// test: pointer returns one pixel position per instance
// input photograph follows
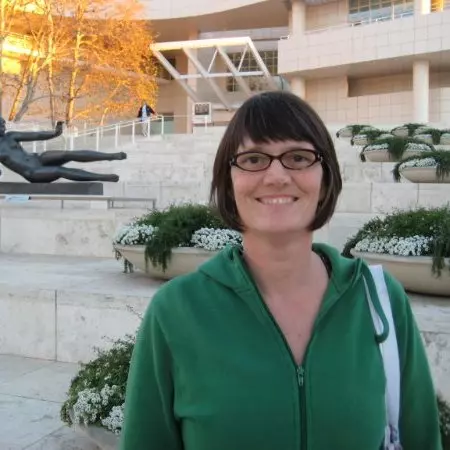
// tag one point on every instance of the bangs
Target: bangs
(265, 118)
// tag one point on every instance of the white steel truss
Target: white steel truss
(220, 47)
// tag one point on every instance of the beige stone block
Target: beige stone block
(433, 195)
(355, 198)
(27, 322)
(387, 197)
(434, 45)
(86, 320)
(420, 47)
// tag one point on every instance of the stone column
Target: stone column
(191, 69)
(297, 18)
(422, 7)
(421, 91)
(298, 86)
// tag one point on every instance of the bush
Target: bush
(444, 422)
(419, 232)
(161, 231)
(97, 393)
(396, 146)
(438, 158)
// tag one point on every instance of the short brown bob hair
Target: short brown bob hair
(274, 116)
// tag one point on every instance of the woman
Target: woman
(271, 346)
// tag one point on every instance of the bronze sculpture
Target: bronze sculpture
(47, 167)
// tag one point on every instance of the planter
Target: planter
(413, 272)
(384, 156)
(184, 260)
(101, 437)
(445, 139)
(423, 175)
(427, 138)
(400, 132)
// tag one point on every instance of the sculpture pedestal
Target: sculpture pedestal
(72, 188)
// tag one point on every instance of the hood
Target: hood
(229, 268)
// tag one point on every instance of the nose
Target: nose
(276, 174)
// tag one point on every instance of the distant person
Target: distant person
(145, 113)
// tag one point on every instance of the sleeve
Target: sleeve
(419, 418)
(149, 422)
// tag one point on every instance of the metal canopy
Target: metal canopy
(220, 47)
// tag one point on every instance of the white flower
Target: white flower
(375, 147)
(215, 239)
(413, 146)
(399, 246)
(114, 420)
(134, 234)
(424, 162)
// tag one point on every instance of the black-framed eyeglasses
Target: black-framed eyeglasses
(297, 159)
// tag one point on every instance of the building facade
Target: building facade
(375, 61)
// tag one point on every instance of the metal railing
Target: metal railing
(371, 20)
(111, 137)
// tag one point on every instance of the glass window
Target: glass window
(361, 11)
(249, 64)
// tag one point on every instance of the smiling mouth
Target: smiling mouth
(277, 200)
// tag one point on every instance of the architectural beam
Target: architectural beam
(198, 65)
(232, 68)
(176, 75)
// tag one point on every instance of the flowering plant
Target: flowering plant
(350, 131)
(396, 147)
(188, 225)
(97, 393)
(420, 232)
(215, 239)
(439, 159)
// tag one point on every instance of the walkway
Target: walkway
(31, 394)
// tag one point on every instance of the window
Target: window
(361, 11)
(249, 64)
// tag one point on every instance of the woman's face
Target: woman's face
(277, 200)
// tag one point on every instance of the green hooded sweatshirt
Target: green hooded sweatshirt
(211, 369)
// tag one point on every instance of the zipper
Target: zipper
(302, 403)
(300, 373)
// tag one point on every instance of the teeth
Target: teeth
(277, 201)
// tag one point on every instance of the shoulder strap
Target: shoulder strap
(390, 356)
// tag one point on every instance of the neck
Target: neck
(280, 265)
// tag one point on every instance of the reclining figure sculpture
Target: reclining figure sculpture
(47, 167)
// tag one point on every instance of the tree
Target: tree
(9, 12)
(109, 68)
(47, 40)
(88, 57)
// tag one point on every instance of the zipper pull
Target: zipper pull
(300, 376)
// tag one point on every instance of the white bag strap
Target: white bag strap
(390, 356)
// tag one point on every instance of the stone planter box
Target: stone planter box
(401, 132)
(428, 139)
(384, 156)
(423, 175)
(184, 260)
(445, 139)
(101, 437)
(414, 272)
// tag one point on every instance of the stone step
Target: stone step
(70, 305)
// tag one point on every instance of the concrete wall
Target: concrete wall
(335, 103)
(417, 36)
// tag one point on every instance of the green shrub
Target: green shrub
(175, 227)
(441, 158)
(432, 224)
(105, 378)
(411, 127)
(395, 146)
(444, 422)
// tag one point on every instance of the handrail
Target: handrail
(371, 20)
